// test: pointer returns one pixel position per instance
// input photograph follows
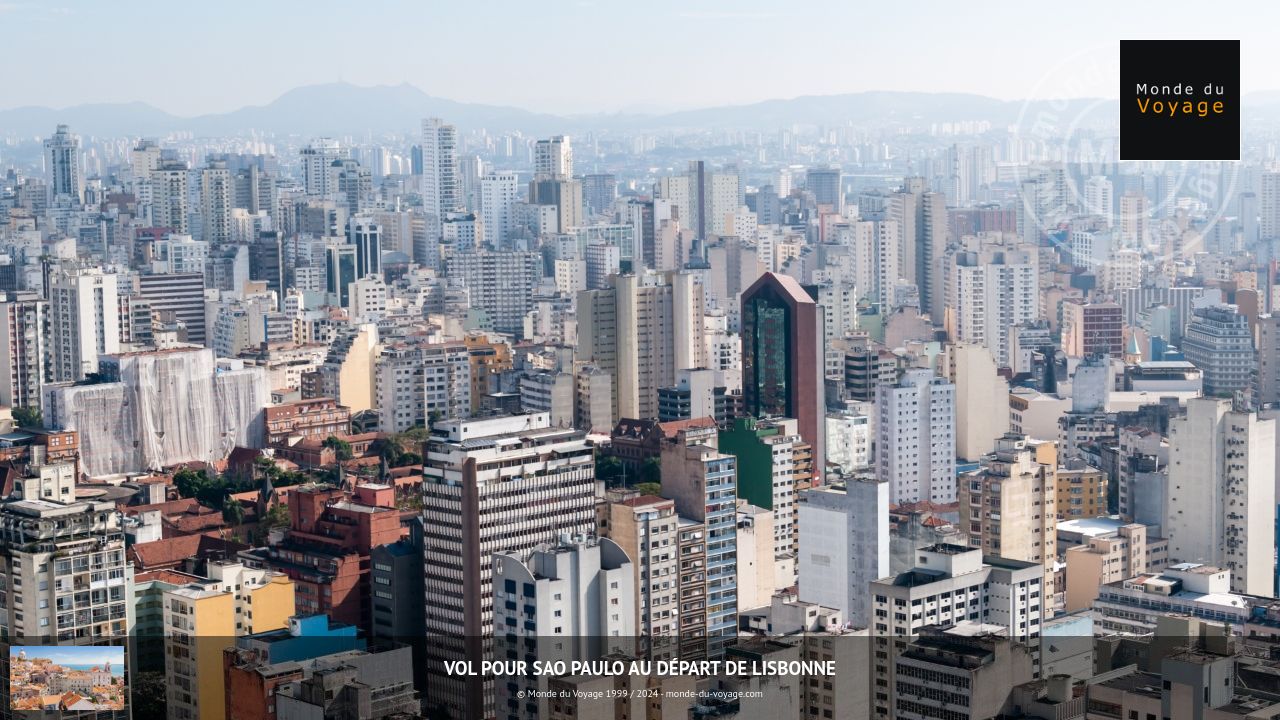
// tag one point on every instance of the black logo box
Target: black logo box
(1187, 68)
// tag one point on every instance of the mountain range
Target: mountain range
(345, 109)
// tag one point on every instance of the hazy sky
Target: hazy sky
(576, 56)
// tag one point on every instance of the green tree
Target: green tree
(147, 694)
(28, 417)
(277, 516)
(609, 469)
(233, 512)
(648, 488)
(341, 448)
(651, 471)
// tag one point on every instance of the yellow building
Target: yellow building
(489, 359)
(1082, 493)
(203, 618)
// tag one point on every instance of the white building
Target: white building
(499, 193)
(992, 288)
(439, 173)
(1221, 504)
(849, 437)
(415, 384)
(916, 451)
(84, 321)
(844, 545)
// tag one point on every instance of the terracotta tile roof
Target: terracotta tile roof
(169, 552)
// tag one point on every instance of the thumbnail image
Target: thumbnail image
(75, 679)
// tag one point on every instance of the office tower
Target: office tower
(993, 287)
(642, 330)
(340, 272)
(170, 205)
(62, 162)
(916, 451)
(921, 219)
(824, 184)
(951, 584)
(439, 174)
(507, 483)
(24, 349)
(844, 545)
(553, 158)
(166, 407)
(602, 261)
(982, 406)
(176, 297)
(582, 589)
(216, 201)
(366, 236)
(500, 284)
(84, 321)
(782, 357)
(202, 616)
(417, 384)
(1266, 388)
(702, 482)
(1092, 328)
(1221, 506)
(1008, 506)
(1218, 340)
(317, 160)
(1130, 550)
(773, 460)
(1099, 198)
(52, 543)
(599, 191)
(499, 193)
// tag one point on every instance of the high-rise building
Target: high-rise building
(844, 544)
(440, 192)
(24, 341)
(177, 298)
(62, 162)
(702, 482)
(772, 463)
(1218, 340)
(916, 449)
(948, 585)
(84, 321)
(1099, 198)
(1092, 328)
(217, 197)
(824, 184)
(921, 219)
(599, 191)
(1221, 506)
(1266, 388)
(642, 330)
(499, 193)
(992, 288)
(51, 544)
(340, 272)
(1111, 557)
(553, 158)
(499, 283)
(1008, 506)
(417, 384)
(500, 484)
(646, 527)
(1269, 207)
(317, 160)
(982, 406)
(782, 357)
(366, 236)
(170, 204)
(582, 589)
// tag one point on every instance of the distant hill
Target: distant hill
(342, 109)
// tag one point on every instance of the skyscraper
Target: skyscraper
(553, 158)
(916, 450)
(169, 202)
(498, 195)
(992, 288)
(62, 160)
(642, 330)
(216, 199)
(84, 321)
(922, 230)
(824, 183)
(1221, 506)
(1219, 342)
(439, 173)
(782, 357)
(24, 318)
(501, 484)
(366, 236)
(317, 166)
